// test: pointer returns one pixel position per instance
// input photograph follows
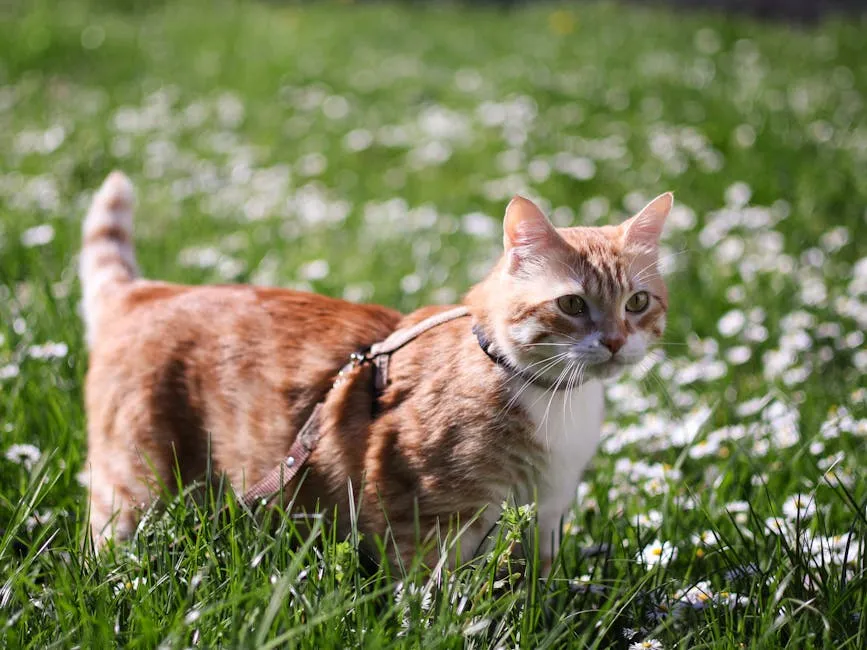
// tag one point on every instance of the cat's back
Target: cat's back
(166, 314)
(235, 344)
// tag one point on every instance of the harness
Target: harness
(379, 354)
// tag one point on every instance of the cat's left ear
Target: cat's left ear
(645, 228)
(528, 236)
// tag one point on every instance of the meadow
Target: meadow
(368, 152)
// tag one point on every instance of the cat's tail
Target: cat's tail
(107, 257)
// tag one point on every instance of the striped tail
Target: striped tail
(107, 257)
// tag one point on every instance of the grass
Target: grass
(368, 152)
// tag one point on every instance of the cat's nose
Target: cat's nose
(614, 343)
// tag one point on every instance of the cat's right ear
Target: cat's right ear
(645, 228)
(527, 233)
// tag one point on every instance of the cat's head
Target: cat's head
(565, 301)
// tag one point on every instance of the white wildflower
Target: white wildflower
(402, 593)
(783, 422)
(129, 585)
(647, 644)
(25, 455)
(854, 339)
(9, 371)
(756, 333)
(685, 502)
(312, 164)
(761, 447)
(835, 239)
(40, 518)
(657, 553)
(753, 406)
(650, 519)
(38, 235)
(49, 350)
(315, 270)
(411, 283)
(477, 626)
(704, 448)
(732, 600)
(843, 549)
(738, 194)
(797, 340)
(778, 526)
(358, 140)
(731, 323)
(799, 506)
(699, 596)
(738, 355)
(685, 432)
(759, 480)
(739, 510)
(202, 257)
(736, 293)
(478, 224)
(776, 362)
(704, 538)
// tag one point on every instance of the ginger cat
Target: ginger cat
(506, 401)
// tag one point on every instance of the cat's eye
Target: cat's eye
(638, 302)
(572, 305)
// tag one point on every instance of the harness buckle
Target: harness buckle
(355, 360)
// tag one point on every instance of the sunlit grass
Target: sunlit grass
(368, 152)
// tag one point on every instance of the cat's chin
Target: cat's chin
(609, 370)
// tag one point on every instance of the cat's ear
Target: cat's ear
(645, 228)
(527, 233)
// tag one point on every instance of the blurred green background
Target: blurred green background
(368, 151)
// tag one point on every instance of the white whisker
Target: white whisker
(552, 361)
(570, 386)
(653, 267)
(553, 391)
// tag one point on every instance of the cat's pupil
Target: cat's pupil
(638, 302)
(572, 305)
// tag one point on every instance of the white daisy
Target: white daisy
(798, 507)
(647, 644)
(25, 455)
(657, 553)
(705, 538)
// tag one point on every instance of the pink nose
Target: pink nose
(613, 343)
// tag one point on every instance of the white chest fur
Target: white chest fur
(568, 424)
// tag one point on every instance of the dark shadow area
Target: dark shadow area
(803, 11)
(807, 11)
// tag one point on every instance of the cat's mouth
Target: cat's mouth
(610, 369)
(575, 365)
(582, 370)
